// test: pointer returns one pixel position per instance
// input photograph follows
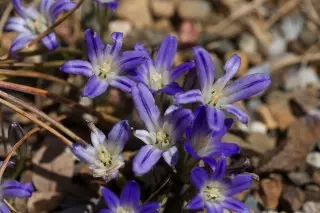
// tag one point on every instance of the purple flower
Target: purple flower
(203, 142)
(220, 95)
(128, 202)
(113, 4)
(105, 65)
(158, 74)
(215, 191)
(31, 22)
(162, 131)
(104, 156)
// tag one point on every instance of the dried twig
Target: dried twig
(5, 17)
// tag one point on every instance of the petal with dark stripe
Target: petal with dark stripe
(131, 60)
(95, 47)
(165, 54)
(199, 177)
(20, 42)
(146, 107)
(77, 67)
(180, 70)
(171, 89)
(94, 87)
(241, 115)
(195, 203)
(130, 195)
(117, 38)
(146, 158)
(205, 67)
(123, 83)
(192, 96)
(50, 41)
(118, 136)
(220, 169)
(215, 118)
(110, 198)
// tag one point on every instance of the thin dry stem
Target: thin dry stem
(36, 121)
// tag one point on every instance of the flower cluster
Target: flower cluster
(169, 122)
(182, 128)
(31, 22)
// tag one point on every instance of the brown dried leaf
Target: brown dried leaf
(290, 155)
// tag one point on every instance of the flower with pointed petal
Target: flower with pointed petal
(215, 191)
(128, 202)
(203, 142)
(13, 189)
(162, 131)
(158, 73)
(104, 157)
(32, 22)
(113, 4)
(220, 95)
(106, 64)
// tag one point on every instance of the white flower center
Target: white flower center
(37, 26)
(104, 70)
(156, 80)
(213, 192)
(162, 140)
(104, 156)
(122, 209)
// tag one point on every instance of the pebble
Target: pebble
(300, 78)
(163, 8)
(291, 26)
(221, 46)
(128, 10)
(263, 68)
(299, 178)
(194, 9)
(259, 127)
(120, 26)
(313, 159)
(248, 43)
(311, 207)
(277, 47)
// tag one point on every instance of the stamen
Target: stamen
(213, 192)
(156, 80)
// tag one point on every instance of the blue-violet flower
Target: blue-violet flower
(106, 65)
(220, 95)
(216, 191)
(162, 131)
(104, 157)
(31, 22)
(113, 4)
(128, 202)
(158, 74)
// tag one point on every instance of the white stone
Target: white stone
(311, 207)
(300, 78)
(291, 26)
(277, 47)
(194, 9)
(263, 68)
(257, 126)
(313, 159)
(120, 26)
(248, 43)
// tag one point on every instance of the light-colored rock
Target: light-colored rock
(120, 26)
(263, 68)
(248, 43)
(311, 207)
(313, 159)
(291, 26)
(259, 127)
(163, 8)
(135, 11)
(194, 9)
(300, 78)
(299, 178)
(277, 47)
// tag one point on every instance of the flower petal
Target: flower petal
(95, 47)
(165, 54)
(45, 6)
(180, 70)
(231, 67)
(130, 195)
(78, 67)
(240, 183)
(117, 38)
(60, 7)
(19, 8)
(192, 96)
(144, 136)
(105, 211)
(123, 83)
(20, 42)
(171, 156)
(199, 176)
(118, 136)
(16, 24)
(180, 119)
(213, 208)
(228, 149)
(84, 154)
(215, 118)
(246, 87)
(205, 68)
(151, 207)
(146, 107)
(50, 41)
(94, 87)
(235, 205)
(4, 208)
(13, 188)
(131, 59)
(220, 169)
(110, 198)
(171, 89)
(190, 150)
(195, 203)
(146, 158)
(241, 115)
(219, 134)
